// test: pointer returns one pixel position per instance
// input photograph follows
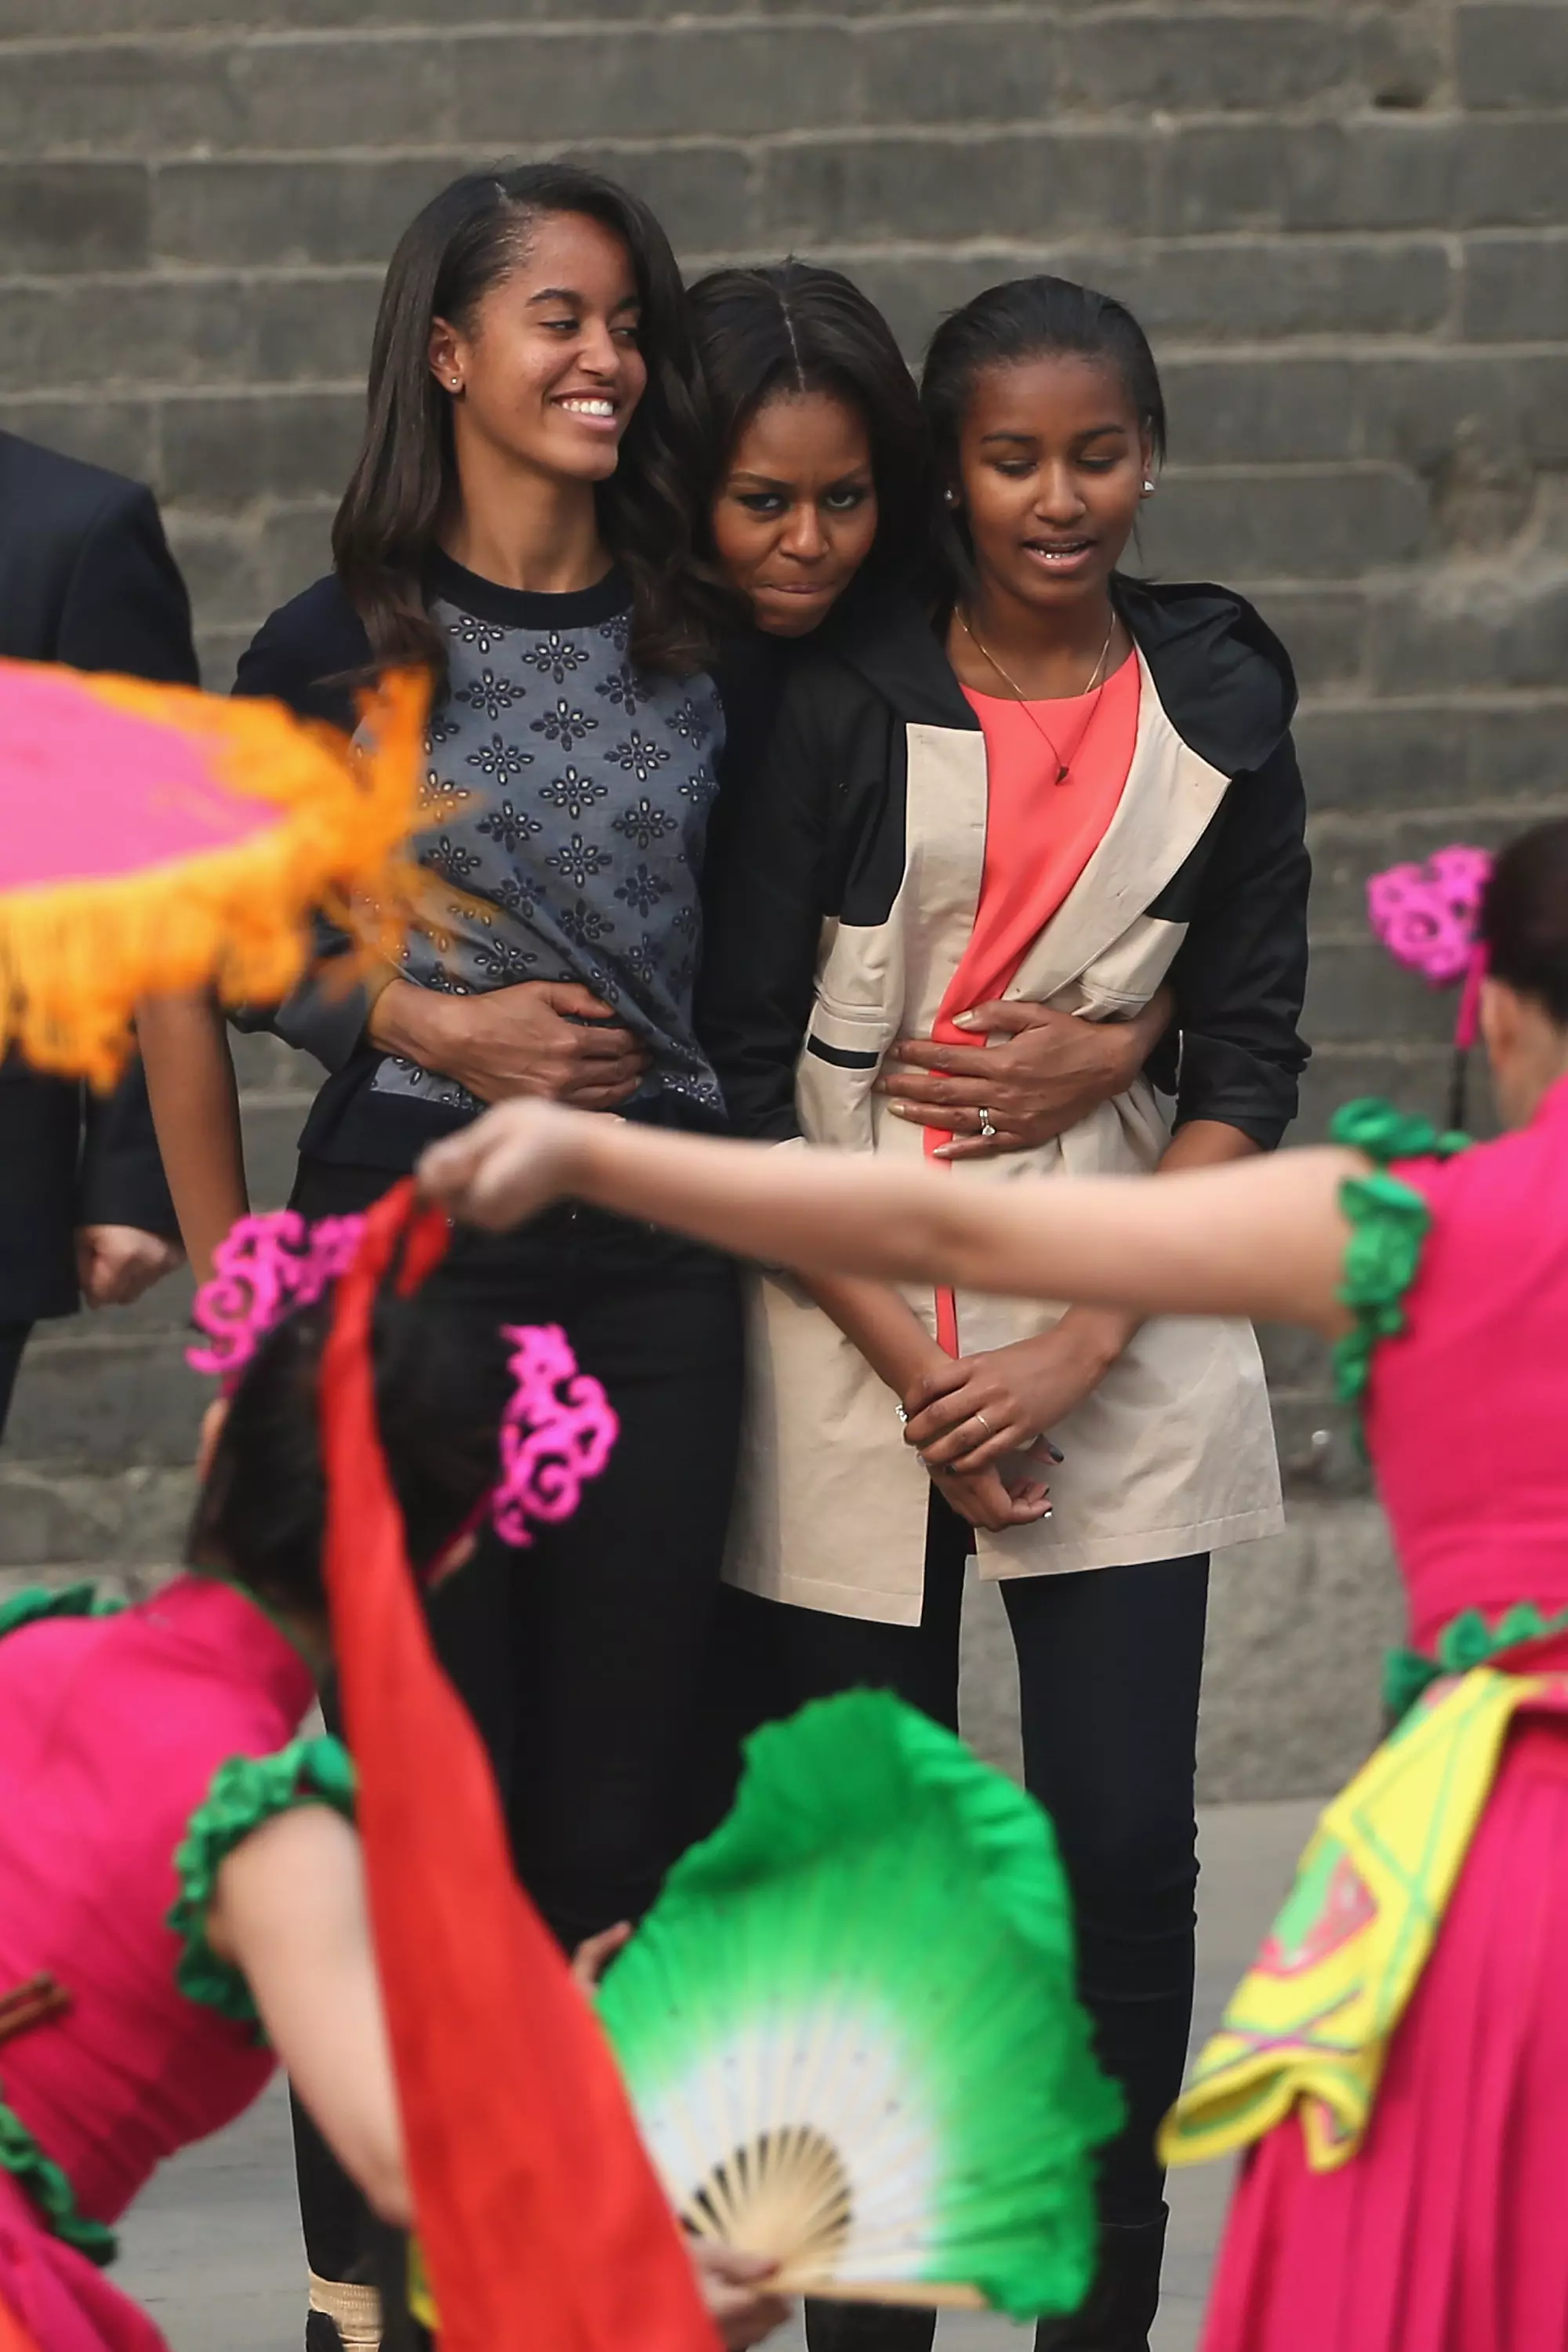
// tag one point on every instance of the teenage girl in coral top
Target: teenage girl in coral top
(1059, 787)
(1397, 2061)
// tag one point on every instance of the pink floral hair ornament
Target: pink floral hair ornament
(558, 1428)
(1428, 916)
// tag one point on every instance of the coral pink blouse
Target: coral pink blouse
(1040, 836)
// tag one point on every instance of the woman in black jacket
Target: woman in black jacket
(1070, 788)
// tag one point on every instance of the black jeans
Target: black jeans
(12, 1340)
(582, 1656)
(1109, 1664)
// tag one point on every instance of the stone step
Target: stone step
(809, 185)
(477, 85)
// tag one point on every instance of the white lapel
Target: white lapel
(1169, 798)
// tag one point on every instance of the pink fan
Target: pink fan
(1428, 916)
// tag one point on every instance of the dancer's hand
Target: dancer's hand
(594, 1956)
(508, 1166)
(734, 2287)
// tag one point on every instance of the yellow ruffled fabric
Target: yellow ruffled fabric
(76, 958)
(1308, 2027)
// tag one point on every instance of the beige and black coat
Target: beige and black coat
(849, 895)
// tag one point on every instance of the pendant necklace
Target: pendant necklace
(1096, 684)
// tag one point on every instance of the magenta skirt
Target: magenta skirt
(1449, 2232)
(63, 2302)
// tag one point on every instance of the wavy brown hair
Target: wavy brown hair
(466, 241)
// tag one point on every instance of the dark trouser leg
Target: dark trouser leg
(12, 1340)
(612, 1616)
(470, 1623)
(921, 1664)
(1109, 1666)
(579, 1657)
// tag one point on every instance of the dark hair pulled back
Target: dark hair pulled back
(466, 241)
(440, 1389)
(1524, 918)
(793, 327)
(1026, 318)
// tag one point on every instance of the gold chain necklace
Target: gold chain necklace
(1095, 682)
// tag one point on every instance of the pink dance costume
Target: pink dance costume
(1443, 2229)
(137, 1749)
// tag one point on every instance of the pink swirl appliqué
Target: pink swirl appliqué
(1426, 916)
(265, 1267)
(555, 1434)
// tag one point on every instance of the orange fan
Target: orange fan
(157, 841)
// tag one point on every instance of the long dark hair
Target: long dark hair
(1026, 319)
(1524, 918)
(465, 242)
(794, 328)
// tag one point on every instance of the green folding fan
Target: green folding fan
(850, 2027)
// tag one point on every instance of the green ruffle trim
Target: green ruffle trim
(245, 1791)
(1389, 1223)
(36, 1602)
(1465, 1643)
(42, 2180)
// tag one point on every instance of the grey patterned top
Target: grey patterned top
(569, 796)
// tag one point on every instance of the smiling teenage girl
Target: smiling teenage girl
(522, 521)
(1064, 788)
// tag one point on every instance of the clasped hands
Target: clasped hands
(967, 1415)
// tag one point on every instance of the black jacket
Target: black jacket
(87, 578)
(822, 839)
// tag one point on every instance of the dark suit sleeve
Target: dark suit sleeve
(754, 996)
(125, 606)
(126, 609)
(295, 659)
(1240, 975)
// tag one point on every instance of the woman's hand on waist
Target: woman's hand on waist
(1051, 1071)
(969, 1414)
(547, 1037)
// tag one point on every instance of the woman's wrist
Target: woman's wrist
(1097, 1336)
(409, 1022)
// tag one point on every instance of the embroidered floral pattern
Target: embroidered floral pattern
(556, 657)
(573, 795)
(564, 725)
(639, 756)
(511, 826)
(643, 889)
(489, 693)
(565, 859)
(498, 759)
(643, 825)
(578, 861)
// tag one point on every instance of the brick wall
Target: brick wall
(1346, 227)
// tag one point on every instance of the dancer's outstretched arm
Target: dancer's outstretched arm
(1264, 1238)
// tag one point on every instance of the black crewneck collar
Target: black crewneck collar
(451, 582)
